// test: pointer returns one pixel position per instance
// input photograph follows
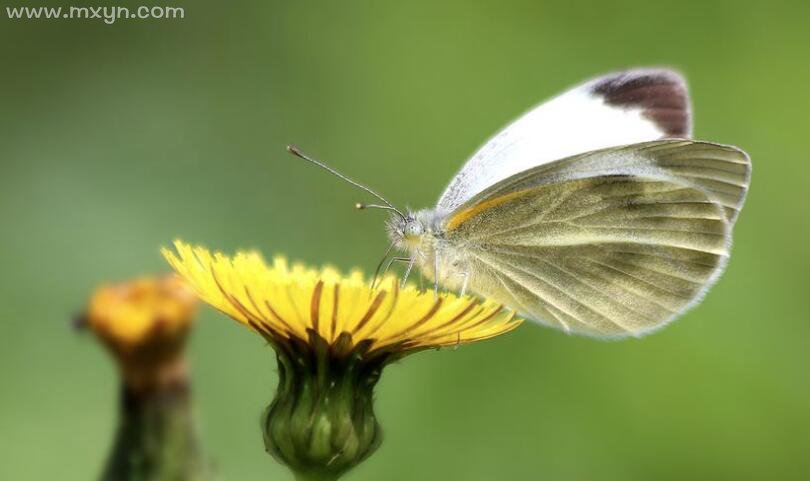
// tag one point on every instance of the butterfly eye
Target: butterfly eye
(413, 228)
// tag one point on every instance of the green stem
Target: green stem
(155, 440)
(315, 477)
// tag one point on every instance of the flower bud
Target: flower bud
(321, 422)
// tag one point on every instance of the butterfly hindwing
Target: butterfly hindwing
(606, 255)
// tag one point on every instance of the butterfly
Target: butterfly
(593, 212)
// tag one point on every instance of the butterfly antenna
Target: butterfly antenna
(388, 206)
(361, 206)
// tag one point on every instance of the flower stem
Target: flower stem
(315, 477)
(155, 439)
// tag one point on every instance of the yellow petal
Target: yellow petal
(282, 302)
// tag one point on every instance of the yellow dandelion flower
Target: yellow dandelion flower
(332, 334)
(283, 303)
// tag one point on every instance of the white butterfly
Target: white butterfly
(613, 242)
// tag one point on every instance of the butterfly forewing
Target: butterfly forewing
(722, 171)
(615, 109)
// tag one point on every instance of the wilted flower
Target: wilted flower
(333, 335)
(144, 324)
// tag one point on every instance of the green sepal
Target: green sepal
(321, 422)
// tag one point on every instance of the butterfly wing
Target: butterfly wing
(615, 109)
(602, 254)
(722, 171)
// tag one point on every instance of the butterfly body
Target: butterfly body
(422, 235)
(441, 259)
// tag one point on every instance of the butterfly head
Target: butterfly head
(406, 232)
(412, 229)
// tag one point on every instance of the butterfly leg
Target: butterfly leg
(379, 266)
(466, 276)
(391, 261)
(411, 262)
(436, 274)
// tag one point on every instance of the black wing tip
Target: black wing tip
(661, 93)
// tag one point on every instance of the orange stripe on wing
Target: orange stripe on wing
(465, 215)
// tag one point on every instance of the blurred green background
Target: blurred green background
(115, 139)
